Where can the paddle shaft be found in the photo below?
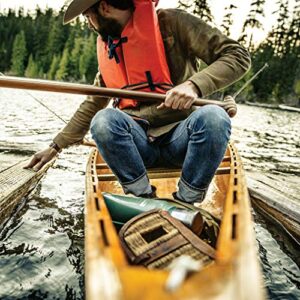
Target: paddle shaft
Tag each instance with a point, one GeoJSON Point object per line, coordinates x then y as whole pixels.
{"type": "Point", "coordinates": [83, 89]}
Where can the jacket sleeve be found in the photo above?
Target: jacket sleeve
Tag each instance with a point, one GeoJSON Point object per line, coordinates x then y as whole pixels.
{"type": "Point", "coordinates": [227, 60]}
{"type": "Point", "coordinates": [78, 126]}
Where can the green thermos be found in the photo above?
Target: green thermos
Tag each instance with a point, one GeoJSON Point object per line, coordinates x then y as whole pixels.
{"type": "Point", "coordinates": [123, 208]}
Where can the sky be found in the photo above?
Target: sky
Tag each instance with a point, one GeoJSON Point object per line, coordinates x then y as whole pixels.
{"type": "Point", "coordinates": [217, 8]}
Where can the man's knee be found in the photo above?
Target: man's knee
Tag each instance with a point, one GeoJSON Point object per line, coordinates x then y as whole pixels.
{"type": "Point", "coordinates": [212, 118]}
{"type": "Point", "coordinates": [103, 123]}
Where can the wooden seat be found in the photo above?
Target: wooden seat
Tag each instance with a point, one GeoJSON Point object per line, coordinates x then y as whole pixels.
{"type": "Point", "coordinates": [155, 173]}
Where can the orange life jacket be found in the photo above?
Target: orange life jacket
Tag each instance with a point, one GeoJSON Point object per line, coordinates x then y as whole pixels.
{"type": "Point", "coordinates": [137, 60]}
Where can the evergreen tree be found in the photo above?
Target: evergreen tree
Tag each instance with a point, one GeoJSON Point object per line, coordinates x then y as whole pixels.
{"type": "Point", "coordinates": [278, 36]}
{"type": "Point", "coordinates": [228, 20]}
{"type": "Point", "coordinates": [64, 66]}
{"type": "Point", "coordinates": [88, 60]}
{"type": "Point", "coordinates": [54, 67]}
{"type": "Point", "coordinates": [56, 39]}
{"type": "Point", "coordinates": [252, 22]}
{"type": "Point", "coordinates": [42, 25]}
{"type": "Point", "coordinates": [32, 70]}
{"type": "Point", "coordinates": [75, 58]}
{"type": "Point", "coordinates": [294, 30]}
{"type": "Point", "coordinates": [199, 8]}
{"type": "Point", "coordinates": [19, 54]}
{"type": "Point", "coordinates": [263, 87]}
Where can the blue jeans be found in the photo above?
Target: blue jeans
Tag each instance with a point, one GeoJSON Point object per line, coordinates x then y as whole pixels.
{"type": "Point", "coordinates": [197, 145]}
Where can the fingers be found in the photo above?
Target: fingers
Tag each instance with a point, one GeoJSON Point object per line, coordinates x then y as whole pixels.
{"type": "Point", "coordinates": [181, 96]}
{"type": "Point", "coordinates": [33, 162]}
{"type": "Point", "coordinates": [177, 101]}
{"type": "Point", "coordinates": [41, 158]}
{"type": "Point", "coordinates": [161, 106]}
{"type": "Point", "coordinates": [189, 103]}
{"type": "Point", "coordinates": [171, 99]}
{"type": "Point", "coordinates": [36, 163]}
{"type": "Point", "coordinates": [39, 165]}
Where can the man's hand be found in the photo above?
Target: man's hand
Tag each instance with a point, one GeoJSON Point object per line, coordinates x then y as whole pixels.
{"type": "Point", "coordinates": [181, 97]}
{"type": "Point", "coordinates": [230, 106]}
{"type": "Point", "coordinates": [39, 159]}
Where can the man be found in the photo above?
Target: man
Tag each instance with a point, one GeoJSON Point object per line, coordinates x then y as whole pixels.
{"type": "Point", "coordinates": [138, 48]}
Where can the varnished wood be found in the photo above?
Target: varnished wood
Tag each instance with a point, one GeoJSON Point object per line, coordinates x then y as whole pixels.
{"type": "Point", "coordinates": [84, 89]}
{"type": "Point", "coordinates": [277, 203]}
{"type": "Point", "coordinates": [160, 173]}
{"type": "Point", "coordinates": [16, 183]}
{"type": "Point", "coordinates": [104, 166]}
{"type": "Point", "coordinates": [235, 273]}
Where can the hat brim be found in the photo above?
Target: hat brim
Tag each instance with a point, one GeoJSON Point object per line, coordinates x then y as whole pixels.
{"type": "Point", "coordinates": [76, 8]}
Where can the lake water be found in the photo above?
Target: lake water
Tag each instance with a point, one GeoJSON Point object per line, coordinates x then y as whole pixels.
{"type": "Point", "coordinates": [42, 245]}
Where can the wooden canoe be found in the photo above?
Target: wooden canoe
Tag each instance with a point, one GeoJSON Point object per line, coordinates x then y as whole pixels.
{"type": "Point", "coordinates": [274, 199]}
{"type": "Point", "coordinates": [235, 274]}
{"type": "Point", "coordinates": [16, 183]}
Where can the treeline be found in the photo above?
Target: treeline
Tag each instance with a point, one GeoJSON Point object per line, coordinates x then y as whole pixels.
{"type": "Point", "coordinates": [37, 45]}
{"type": "Point", "coordinates": [280, 82]}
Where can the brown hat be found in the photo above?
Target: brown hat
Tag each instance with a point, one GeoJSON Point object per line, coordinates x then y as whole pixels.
{"type": "Point", "coordinates": [76, 8]}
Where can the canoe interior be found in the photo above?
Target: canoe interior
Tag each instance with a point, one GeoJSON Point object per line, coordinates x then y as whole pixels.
{"type": "Point", "coordinates": [235, 274]}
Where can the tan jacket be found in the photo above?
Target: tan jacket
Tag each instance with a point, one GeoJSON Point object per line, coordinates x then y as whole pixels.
{"type": "Point", "coordinates": [188, 41]}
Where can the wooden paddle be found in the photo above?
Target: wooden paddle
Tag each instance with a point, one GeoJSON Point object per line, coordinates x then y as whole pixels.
{"type": "Point", "coordinates": [84, 89]}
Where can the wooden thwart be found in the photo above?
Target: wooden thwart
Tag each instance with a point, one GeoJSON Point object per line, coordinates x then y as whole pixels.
{"type": "Point", "coordinates": [161, 173]}
{"type": "Point", "coordinates": [104, 166]}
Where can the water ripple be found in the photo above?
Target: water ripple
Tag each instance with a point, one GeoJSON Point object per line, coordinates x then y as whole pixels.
{"type": "Point", "coordinates": [41, 247]}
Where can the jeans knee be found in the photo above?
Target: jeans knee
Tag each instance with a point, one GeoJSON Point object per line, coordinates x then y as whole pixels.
{"type": "Point", "coordinates": [213, 118]}
{"type": "Point", "coordinates": [102, 123]}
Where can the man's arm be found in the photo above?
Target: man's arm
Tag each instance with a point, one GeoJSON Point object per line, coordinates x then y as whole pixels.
{"type": "Point", "coordinates": [227, 60]}
{"type": "Point", "coordinates": [74, 131]}
{"type": "Point", "coordinates": [79, 124]}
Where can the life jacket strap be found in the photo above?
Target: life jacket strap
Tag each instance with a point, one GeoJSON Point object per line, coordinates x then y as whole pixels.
{"type": "Point", "coordinates": [112, 53]}
{"type": "Point", "coordinates": [148, 84]}
{"type": "Point", "coordinates": [150, 81]}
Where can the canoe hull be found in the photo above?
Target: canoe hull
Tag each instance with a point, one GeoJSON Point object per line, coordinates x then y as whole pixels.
{"type": "Point", "coordinates": [235, 274]}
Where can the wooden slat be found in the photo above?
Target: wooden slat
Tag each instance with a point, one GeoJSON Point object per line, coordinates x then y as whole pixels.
{"type": "Point", "coordinates": [164, 173]}
{"type": "Point", "coordinates": [15, 183]}
{"type": "Point", "coordinates": [104, 166]}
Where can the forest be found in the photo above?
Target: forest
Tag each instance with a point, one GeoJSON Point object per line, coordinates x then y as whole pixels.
{"type": "Point", "coordinates": [36, 45]}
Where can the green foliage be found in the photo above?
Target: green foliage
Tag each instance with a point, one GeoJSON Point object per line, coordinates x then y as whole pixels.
{"type": "Point", "coordinates": [54, 67]}
{"type": "Point", "coordinates": [32, 70]}
{"type": "Point", "coordinates": [200, 8]}
{"type": "Point", "coordinates": [228, 19]}
{"type": "Point", "coordinates": [88, 60]}
{"type": "Point", "coordinates": [38, 45]}
{"type": "Point", "coordinates": [76, 53]}
{"type": "Point", "coordinates": [278, 37]}
{"type": "Point", "coordinates": [252, 21]}
{"type": "Point", "coordinates": [64, 66]}
{"type": "Point", "coordinates": [297, 87]}
{"type": "Point", "coordinates": [19, 54]}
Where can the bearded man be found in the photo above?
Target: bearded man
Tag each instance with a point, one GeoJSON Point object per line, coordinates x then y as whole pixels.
{"type": "Point", "coordinates": [158, 51]}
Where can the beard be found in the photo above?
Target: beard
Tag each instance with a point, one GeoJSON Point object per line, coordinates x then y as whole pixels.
{"type": "Point", "coordinates": [108, 27]}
